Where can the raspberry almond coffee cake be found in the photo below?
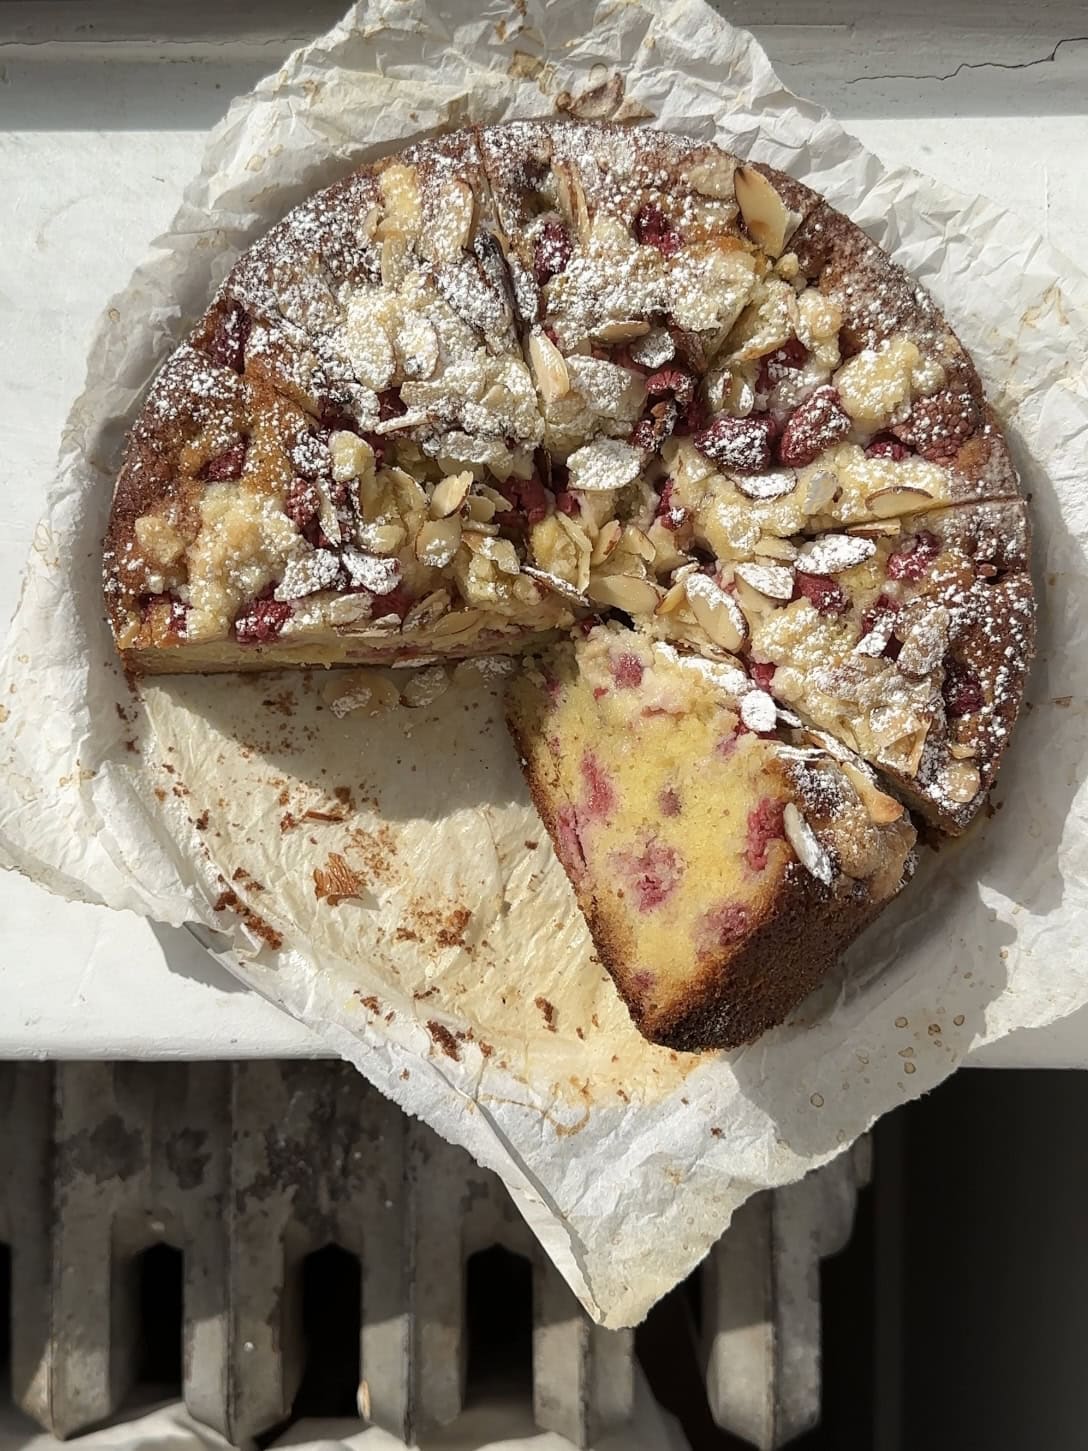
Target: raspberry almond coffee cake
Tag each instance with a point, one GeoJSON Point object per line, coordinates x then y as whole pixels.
{"type": "Point", "coordinates": [679, 436]}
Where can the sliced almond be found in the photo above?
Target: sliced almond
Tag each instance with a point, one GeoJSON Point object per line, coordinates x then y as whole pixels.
{"type": "Point", "coordinates": [327, 514]}
{"type": "Point", "coordinates": [774, 580]}
{"type": "Point", "coordinates": [716, 612]}
{"type": "Point", "coordinates": [637, 543]}
{"type": "Point", "coordinates": [458, 622]}
{"type": "Point", "coordinates": [394, 262]}
{"type": "Point", "coordinates": [899, 499]}
{"type": "Point", "coordinates": [425, 686]}
{"type": "Point", "coordinates": [959, 782]}
{"type": "Point", "coordinates": [774, 485]}
{"type": "Point", "coordinates": [882, 809]}
{"type": "Point", "coordinates": [438, 541]}
{"type": "Point", "coordinates": [960, 750]}
{"type": "Point", "coordinates": [363, 690]}
{"type": "Point", "coordinates": [367, 223]}
{"type": "Point", "coordinates": [882, 529]}
{"type": "Point", "coordinates": [449, 228]}
{"type": "Point", "coordinates": [752, 602]}
{"type": "Point", "coordinates": [572, 198]}
{"type": "Point", "coordinates": [416, 344]}
{"type": "Point", "coordinates": [606, 541]}
{"type": "Point", "coordinates": [553, 582]}
{"type": "Point", "coordinates": [622, 332]}
{"type": "Point", "coordinates": [820, 490]}
{"type": "Point", "coordinates": [450, 494]}
{"type": "Point", "coordinates": [604, 464]}
{"type": "Point", "coordinates": [655, 349]}
{"type": "Point", "coordinates": [501, 553]}
{"type": "Point", "coordinates": [501, 505]}
{"type": "Point", "coordinates": [767, 217]}
{"type": "Point", "coordinates": [624, 592]}
{"type": "Point", "coordinates": [527, 591]}
{"type": "Point", "coordinates": [712, 177]}
{"type": "Point", "coordinates": [425, 611]}
{"type": "Point", "coordinates": [347, 609]}
{"type": "Point", "coordinates": [549, 368]}
{"type": "Point", "coordinates": [926, 643]}
{"type": "Point", "coordinates": [479, 510]}
{"type": "Point", "coordinates": [407, 491]}
{"type": "Point", "coordinates": [835, 553]}
{"type": "Point", "coordinates": [757, 711]}
{"type": "Point", "coordinates": [352, 457]}
{"type": "Point", "coordinates": [381, 538]}
{"type": "Point", "coordinates": [674, 597]}
{"type": "Point", "coordinates": [810, 853]}
{"type": "Point", "coordinates": [402, 421]}
{"type": "Point", "coordinates": [375, 573]}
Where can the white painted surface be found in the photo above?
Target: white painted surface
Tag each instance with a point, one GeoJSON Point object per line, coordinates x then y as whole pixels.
{"type": "Point", "coordinates": [101, 125]}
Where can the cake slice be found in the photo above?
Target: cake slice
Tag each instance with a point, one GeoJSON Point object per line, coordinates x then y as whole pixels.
{"type": "Point", "coordinates": [722, 861]}
{"type": "Point", "coordinates": [245, 535]}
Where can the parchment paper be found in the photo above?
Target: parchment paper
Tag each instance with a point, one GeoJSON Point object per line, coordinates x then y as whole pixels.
{"type": "Point", "coordinates": [460, 979]}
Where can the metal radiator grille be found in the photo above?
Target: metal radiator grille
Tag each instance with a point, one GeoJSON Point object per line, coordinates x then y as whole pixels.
{"type": "Point", "coordinates": [251, 1170]}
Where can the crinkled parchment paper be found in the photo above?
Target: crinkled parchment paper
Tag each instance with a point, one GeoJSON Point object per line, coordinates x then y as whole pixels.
{"type": "Point", "coordinates": [459, 976]}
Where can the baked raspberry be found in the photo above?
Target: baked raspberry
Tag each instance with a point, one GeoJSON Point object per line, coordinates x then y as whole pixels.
{"type": "Point", "coordinates": [627, 670]}
{"type": "Point", "coordinates": [669, 801]}
{"type": "Point", "coordinates": [773, 367]}
{"type": "Point", "coordinates": [722, 926]}
{"type": "Point", "coordinates": [600, 798]}
{"type": "Point", "coordinates": [397, 602]}
{"type": "Point", "coordinates": [881, 607]}
{"type": "Point", "coordinates": [672, 381]}
{"type": "Point", "coordinates": [261, 620]}
{"type": "Point", "coordinates": [653, 874]}
{"type": "Point", "coordinates": [176, 616]}
{"type": "Point", "coordinates": [228, 464]}
{"type": "Point", "coordinates": [913, 556]}
{"type": "Point", "coordinates": [227, 344]}
{"type": "Point", "coordinates": [656, 424]}
{"type": "Point", "coordinates": [568, 845]}
{"type": "Point", "coordinates": [762, 674]}
{"type": "Point", "coordinates": [880, 615]}
{"type": "Point", "coordinates": [817, 423]}
{"type": "Point", "coordinates": [938, 426]}
{"type": "Point", "coordinates": [653, 229]}
{"type": "Point", "coordinates": [599, 692]}
{"type": "Point", "coordinates": [672, 516]}
{"type": "Point", "coordinates": [566, 503]}
{"type": "Point", "coordinates": [300, 503]}
{"type": "Point", "coordinates": [741, 444]}
{"type": "Point", "coordinates": [534, 499]}
{"type": "Point", "coordinates": [825, 596]}
{"type": "Point", "coordinates": [764, 826]}
{"type": "Point", "coordinates": [962, 690]}
{"type": "Point", "coordinates": [552, 250]}
{"type": "Point", "coordinates": [886, 445]}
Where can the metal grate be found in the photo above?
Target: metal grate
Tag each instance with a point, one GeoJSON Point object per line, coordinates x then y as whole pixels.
{"type": "Point", "coordinates": [321, 1249]}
